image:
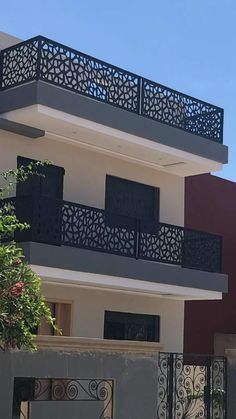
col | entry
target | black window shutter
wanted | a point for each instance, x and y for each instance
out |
(132, 199)
(39, 203)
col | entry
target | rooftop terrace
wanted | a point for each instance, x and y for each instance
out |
(40, 58)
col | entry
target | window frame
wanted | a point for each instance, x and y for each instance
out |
(61, 301)
(127, 317)
(156, 196)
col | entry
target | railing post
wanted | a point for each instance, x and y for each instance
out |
(140, 95)
(1, 69)
(225, 380)
(182, 264)
(39, 58)
(221, 253)
(137, 239)
(221, 126)
(207, 390)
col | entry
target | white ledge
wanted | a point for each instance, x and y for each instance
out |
(73, 278)
(60, 343)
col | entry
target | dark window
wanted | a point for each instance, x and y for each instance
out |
(50, 184)
(39, 203)
(127, 326)
(132, 199)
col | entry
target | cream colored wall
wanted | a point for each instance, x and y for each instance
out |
(85, 173)
(7, 40)
(89, 305)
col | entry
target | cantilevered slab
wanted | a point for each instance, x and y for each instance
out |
(126, 272)
(57, 105)
(20, 129)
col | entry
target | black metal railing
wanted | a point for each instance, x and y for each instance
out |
(71, 224)
(40, 58)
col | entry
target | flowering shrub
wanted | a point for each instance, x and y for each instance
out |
(17, 289)
(22, 306)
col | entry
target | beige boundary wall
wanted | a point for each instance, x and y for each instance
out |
(134, 377)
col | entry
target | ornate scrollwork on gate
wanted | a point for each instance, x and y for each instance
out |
(191, 387)
(77, 390)
(218, 384)
(163, 386)
(65, 390)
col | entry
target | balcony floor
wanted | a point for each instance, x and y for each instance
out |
(83, 122)
(74, 266)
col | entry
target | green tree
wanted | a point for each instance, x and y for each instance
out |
(22, 306)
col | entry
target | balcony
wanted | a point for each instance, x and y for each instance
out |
(80, 226)
(40, 59)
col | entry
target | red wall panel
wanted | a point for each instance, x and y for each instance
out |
(210, 205)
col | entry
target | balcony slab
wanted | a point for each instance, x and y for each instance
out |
(146, 273)
(181, 148)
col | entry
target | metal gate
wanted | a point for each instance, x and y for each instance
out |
(191, 387)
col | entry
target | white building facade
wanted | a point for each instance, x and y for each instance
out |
(107, 232)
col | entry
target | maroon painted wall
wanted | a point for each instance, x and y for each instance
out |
(210, 205)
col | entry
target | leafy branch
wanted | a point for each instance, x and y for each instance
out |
(22, 306)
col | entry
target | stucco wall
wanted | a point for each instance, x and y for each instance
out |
(88, 306)
(231, 383)
(134, 375)
(7, 40)
(85, 173)
(210, 205)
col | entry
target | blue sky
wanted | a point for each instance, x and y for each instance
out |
(186, 44)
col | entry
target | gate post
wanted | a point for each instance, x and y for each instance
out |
(23, 392)
(170, 385)
(207, 389)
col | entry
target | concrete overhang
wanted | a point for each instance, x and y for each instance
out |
(99, 269)
(75, 119)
